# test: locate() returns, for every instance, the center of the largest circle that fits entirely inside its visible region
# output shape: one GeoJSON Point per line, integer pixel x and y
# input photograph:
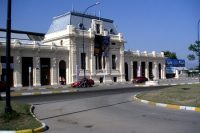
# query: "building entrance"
{"type": "Point", "coordinates": [143, 69]}
{"type": "Point", "coordinates": [126, 71]}
{"type": "Point", "coordinates": [62, 72]}
{"type": "Point", "coordinates": [45, 71]}
{"type": "Point", "coordinates": [151, 76]}
{"type": "Point", "coordinates": [135, 69]}
{"type": "Point", "coordinates": [27, 63]}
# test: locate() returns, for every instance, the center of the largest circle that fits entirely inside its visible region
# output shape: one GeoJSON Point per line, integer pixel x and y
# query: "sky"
{"type": "Point", "coordinates": [147, 25]}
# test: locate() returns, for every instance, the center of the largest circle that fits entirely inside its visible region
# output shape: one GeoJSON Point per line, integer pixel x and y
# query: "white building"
{"type": "Point", "coordinates": [144, 64]}
{"type": "Point", "coordinates": [59, 54]}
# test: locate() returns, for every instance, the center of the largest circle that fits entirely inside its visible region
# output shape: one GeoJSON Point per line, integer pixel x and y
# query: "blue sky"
{"type": "Point", "coordinates": [146, 24]}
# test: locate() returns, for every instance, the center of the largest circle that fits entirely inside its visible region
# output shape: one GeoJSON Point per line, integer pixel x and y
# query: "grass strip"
{"type": "Point", "coordinates": [19, 119]}
{"type": "Point", "coordinates": [185, 95]}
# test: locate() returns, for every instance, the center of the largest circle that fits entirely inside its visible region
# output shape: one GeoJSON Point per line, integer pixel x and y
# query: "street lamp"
{"type": "Point", "coordinates": [84, 79]}
{"type": "Point", "coordinates": [8, 107]}
{"type": "Point", "coordinates": [198, 44]}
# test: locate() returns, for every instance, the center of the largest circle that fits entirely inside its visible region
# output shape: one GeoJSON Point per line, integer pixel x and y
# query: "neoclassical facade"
{"type": "Point", "coordinates": [60, 56]}
{"type": "Point", "coordinates": [150, 65]}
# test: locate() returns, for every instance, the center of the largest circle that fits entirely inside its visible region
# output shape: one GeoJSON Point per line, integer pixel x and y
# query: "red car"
{"type": "Point", "coordinates": [2, 86]}
{"type": "Point", "coordinates": [140, 80]}
{"type": "Point", "coordinates": [83, 83]}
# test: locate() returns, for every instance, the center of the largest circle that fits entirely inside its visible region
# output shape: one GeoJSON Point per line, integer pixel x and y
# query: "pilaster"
{"type": "Point", "coordinates": [54, 72]}
{"type": "Point", "coordinates": [131, 70]}
{"type": "Point", "coordinates": [122, 75]}
{"type": "Point", "coordinates": [72, 64]}
{"type": "Point", "coordinates": [155, 70]}
{"type": "Point", "coordinates": [36, 71]}
{"type": "Point", "coordinates": [92, 60]}
{"type": "Point", "coordinates": [139, 68]}
{"type": "Point", "coordinates": [163, 71]}
{"type": "Point", "coordinates": [147, 69]}
{"type": "Point", "coordinates": [17, 71]}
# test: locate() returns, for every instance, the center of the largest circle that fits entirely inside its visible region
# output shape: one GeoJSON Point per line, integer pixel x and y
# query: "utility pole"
{"type": "Point", "coordinates": [8, 107]}
{"type": "Point", "coordinates": [84, 54]}
{"type": "Point", "coordinates": [198, 44]}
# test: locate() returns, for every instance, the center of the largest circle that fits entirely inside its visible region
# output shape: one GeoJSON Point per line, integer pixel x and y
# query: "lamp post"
{"type": "Point", "coordinates": [198, 43]}
{"type": "Point", "coordinates": [84, 79]}
{"type": "Point", "coordinates": [8, 107]}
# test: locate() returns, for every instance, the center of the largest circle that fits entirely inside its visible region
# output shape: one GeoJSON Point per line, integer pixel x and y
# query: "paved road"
{"type": "Point", "coordinates": [110, 112]}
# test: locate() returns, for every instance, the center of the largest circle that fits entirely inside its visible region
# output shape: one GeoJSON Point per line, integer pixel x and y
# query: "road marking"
{"type": "Point", "coordinates": [26, 93]}
{"type": "Point", "coordinates": [46, 92]}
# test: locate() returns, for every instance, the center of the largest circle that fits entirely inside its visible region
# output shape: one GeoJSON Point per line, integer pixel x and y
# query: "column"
{"type": "Point", "coordinates": [131, 71]}
{"type": "Point", "coordinates": [54, 74]}
{"type": "Point", "coordinates": [92, 60]}
{"type": "Point", "coordinates": [155, 70]}
{"type": "Point", "coordinates": [36, 71]}
{"type": "Point", "coordinates": [163, 72]}
{"type": "Point", "coordinates": [138, 68]}
{"type": "Point", "coordinates": [147, 69]}
{"type": "Point", "coordinates": [17, 74]}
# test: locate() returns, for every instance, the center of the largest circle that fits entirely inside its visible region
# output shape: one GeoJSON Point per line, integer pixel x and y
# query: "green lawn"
{"type": "Point", "coordinates": [20, 119]}
{"type": "Point", "coordinates": [186, 95]}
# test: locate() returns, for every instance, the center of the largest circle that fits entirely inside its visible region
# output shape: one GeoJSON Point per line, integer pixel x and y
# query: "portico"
{"type": "Point", "coordinates": [144, 64]}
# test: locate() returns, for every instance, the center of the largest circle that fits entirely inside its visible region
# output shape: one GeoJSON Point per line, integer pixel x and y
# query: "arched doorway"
{"type": "Point", "coordinates": [126, 71]}
{"type": "Point", "coordinates": [62, 72]}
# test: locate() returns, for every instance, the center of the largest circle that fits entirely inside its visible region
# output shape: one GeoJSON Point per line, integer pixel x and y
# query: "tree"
{"type": "Point", "coordinates": [195, 48]}
{"type": "Point", "coordinates": [169, 54]}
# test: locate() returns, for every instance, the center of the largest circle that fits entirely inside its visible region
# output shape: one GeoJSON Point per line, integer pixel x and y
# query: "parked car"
{"type": "Point", "coordinates": [2, 86]}
{"type": "Point", "coordinates": [140, 80]}
{"type": "Point", "coordinates": [83, 83]}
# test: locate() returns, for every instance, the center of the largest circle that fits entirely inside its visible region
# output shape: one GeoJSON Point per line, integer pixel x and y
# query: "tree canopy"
{"type": "Point", "coordinates": [195, 48]}
{"type": "Point", "coordinates": [170, 54]}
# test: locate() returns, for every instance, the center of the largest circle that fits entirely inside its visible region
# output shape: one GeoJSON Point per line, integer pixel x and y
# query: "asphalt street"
{"type": "Point", "coordinates": [110, 111]}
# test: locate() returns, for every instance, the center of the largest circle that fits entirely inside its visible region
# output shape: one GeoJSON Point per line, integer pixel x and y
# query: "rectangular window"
{"type": "Point", "coordinates": [113, 61]}
{"type": "Point", "coordinates": [98, 28]}
{"type": "Point", "coordinates": [83, 60]}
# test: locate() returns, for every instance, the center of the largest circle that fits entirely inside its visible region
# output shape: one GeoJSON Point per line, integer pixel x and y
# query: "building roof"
{"type": "Point", "coordinates": [22, 35]}
{"type": "Point", "coordinates": [75, 18]}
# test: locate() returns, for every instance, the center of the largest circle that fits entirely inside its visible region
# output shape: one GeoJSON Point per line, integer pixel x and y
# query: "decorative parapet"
{"type": "Point", "coordinates": [143, 54]}
{"type": "Point", "coordinates": [119, 37]}
{"type": "Point", "coordinates": [28, 44]}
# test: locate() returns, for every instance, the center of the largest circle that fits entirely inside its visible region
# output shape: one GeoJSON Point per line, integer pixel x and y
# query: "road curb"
{"type": "Point", "coordinates": [40, 92]}
{"type": "Point", "coordinates": [43, 128]}
{"type": "Point", "coordinates": [16, 94]}
{"type": "Point", "coordinates": [170, 106]}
